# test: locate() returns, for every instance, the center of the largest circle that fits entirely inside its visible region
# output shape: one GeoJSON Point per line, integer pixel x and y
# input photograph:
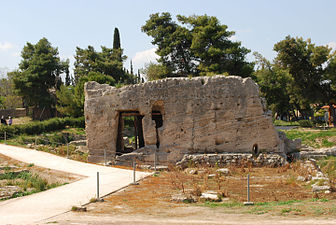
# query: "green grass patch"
{"type": "Point", "coordinates": [285, 123]}
{"type": "Point", "coordinates": [315, 139]}
{"type": "Point", "coordinates": [223, 204]}
{"type": "Point", "coordinates": [328, 166]}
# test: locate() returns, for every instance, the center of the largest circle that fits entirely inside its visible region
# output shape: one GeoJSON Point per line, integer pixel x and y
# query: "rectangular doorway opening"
{"type": "Point", "coordinates": [130, 132]}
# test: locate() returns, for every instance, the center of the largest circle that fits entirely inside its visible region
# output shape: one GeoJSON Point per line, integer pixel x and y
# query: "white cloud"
{"type": "Point", "coordinates": [332, 45]}
{"type": "Point", "coordinates": [143, 57]}
{"type": "Point", "coordinates": [5, 46]}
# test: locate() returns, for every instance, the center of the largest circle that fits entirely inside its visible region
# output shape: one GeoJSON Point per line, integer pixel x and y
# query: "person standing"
{"type": "Point", "coordinates": [3, 121]}
{"type": "Point", "coordinates": [10, 120]}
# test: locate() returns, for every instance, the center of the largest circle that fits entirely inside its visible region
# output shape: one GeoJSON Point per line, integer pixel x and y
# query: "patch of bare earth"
{"type": "Point", "coordinates": [277, 195]}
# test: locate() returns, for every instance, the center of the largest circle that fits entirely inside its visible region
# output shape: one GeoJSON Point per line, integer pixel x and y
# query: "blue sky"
{"type": "Point", "coordinates": [258, 24]}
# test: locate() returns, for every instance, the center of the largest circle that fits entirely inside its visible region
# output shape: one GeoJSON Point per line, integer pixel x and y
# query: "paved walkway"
{"type": "Point", "coordinates": [33, 208]}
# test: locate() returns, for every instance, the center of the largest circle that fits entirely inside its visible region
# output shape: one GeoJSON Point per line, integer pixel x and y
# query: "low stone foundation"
{"type": "Point", "coordinates": [222, 160]}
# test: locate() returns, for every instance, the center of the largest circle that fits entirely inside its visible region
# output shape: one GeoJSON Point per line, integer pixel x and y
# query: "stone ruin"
{"type": "Point", "coordinates": [176, 119]}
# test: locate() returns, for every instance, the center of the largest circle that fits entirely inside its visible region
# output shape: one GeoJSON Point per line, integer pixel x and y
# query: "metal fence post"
{"type": "Point", "coordinates": [134, 165]}
{"type": "Point", "coordinates": [155, 161]}
{"type": "Point", "coordinates": [104, 157]}
{"type": "Point", "coordinates": [97, 185]}
{"type": "Point", "coordinates": [248, 187]}
{"type": "Point", "coordinates": [248, 192]}
{"type": "Point", "coordinates": [67, 150]}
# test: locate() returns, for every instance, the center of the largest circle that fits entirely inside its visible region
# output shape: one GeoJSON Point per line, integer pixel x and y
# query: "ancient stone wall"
{"type": "Point", "coordinates": [199, 115]}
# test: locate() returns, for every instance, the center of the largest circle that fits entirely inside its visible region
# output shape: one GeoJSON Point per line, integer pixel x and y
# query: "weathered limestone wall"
{"type": "Point", "coordinates": [200, 115]}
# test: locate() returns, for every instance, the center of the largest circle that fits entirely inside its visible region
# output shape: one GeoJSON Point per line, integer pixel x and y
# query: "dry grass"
{"type": "Point", "coordinates": [275, 191]}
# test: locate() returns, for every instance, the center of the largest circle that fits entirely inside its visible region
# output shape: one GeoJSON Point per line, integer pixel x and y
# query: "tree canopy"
{"type": "Point", "coordinates": [197, 45]}
{"type": "Point", "coordinates": [302, 74]}
{"type": "Point", "coordinates": [108, 62]}
{"type": "Point", "coordinates": [39, 72]}
{"type": "Point", "coordinates": [9, 98]}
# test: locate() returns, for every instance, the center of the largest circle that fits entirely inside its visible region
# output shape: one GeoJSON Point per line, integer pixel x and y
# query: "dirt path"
{"type": "Point", "coordinates": [43, 205]}
{"type": "Point", "coordinates": [185, 215]}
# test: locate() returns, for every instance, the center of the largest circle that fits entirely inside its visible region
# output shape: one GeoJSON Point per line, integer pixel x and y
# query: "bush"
{"type": "Point", "coordinates": [306, 123]}
{"type": "Point", "coordinates": [39, 127]}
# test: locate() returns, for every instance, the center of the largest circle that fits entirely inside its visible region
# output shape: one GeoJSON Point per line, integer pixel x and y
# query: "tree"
{"type": "Point", "coordinates": [313, 70]}
{"type": "Point", "coordinates": [67, 75]}
{"type": "Point", "coordinates": [131, 68]}
{"type": "Point", "coordinates": [38, 73]}
{"type": "Point", "coordinates": [9, 97]}
{"type": "Point", "coordinates": [116, 39]}
{"type": "Point", "coordinates": [275, 85]}
{"type": "Point", "coordinates": [199, 46]}
{"type": "Point", "coordinates": [66, 103]}
{"type": "Point", "coordinates": [154, 71]}
{"type": "Point", "coordinates": [108, 61]}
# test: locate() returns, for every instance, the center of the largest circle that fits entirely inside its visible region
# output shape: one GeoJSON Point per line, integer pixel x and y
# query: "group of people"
{"type": "Point", "coordinates": [4, 121]}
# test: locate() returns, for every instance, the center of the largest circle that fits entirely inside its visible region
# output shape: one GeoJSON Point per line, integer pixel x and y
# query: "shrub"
{"type": "Point", "coordinates": [306, 123]}
{"type": "Point", "coordinates": [39, 127]}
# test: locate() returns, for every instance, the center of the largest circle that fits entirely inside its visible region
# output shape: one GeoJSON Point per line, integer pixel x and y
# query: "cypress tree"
{"type": "Point", "coordinates": [131, 67]}
{"type": "Point", "coordinates": [116, 39]}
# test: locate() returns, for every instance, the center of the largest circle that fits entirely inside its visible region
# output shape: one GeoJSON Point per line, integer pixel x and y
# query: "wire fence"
{"type": "Point", "coordinates": [41, 143]}
{"type": "Point", "coordinates": [38, 142]}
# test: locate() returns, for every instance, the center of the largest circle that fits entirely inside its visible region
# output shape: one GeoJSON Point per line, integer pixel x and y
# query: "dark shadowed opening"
{"type": "Point", "coordinates": [157, 117]}
{"type": "Point", "coordinates": [255, 150]}
{"type": "Point", "coordinates": [130, 132]}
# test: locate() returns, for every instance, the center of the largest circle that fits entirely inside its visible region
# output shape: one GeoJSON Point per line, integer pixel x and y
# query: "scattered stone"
{"type": "Point", "coordinates": [161, 168]}
{"type": "Point", "coordinates": [317, 188]}
{"type": "Point", "coordinates": [211, 175]}
{"type": "Point", "coordinates": [210, 196]}
{"type": "Point", "coordinates": [319, 174]}
{"type": "Point", "coordinates": [190, 171]}
{"type": "Point", "coordinates": [183, 198]}
{"type": "Point", "coordinates": [327, 192]}
{"type": "Point", "coordinates": [301, 178]}
{"type": "Point", "coordinates": [225, 171]}
{"type": "Point", "coordinates": [248, 203]}
{"type": "Point", "coordinates": [320, 178]}
{"type": "Point", "coordinates": [109, 163]}
{"type": "Point", "coordinates": [147, 167]}
{"type": "Point", "coordinates": [8, 191]}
